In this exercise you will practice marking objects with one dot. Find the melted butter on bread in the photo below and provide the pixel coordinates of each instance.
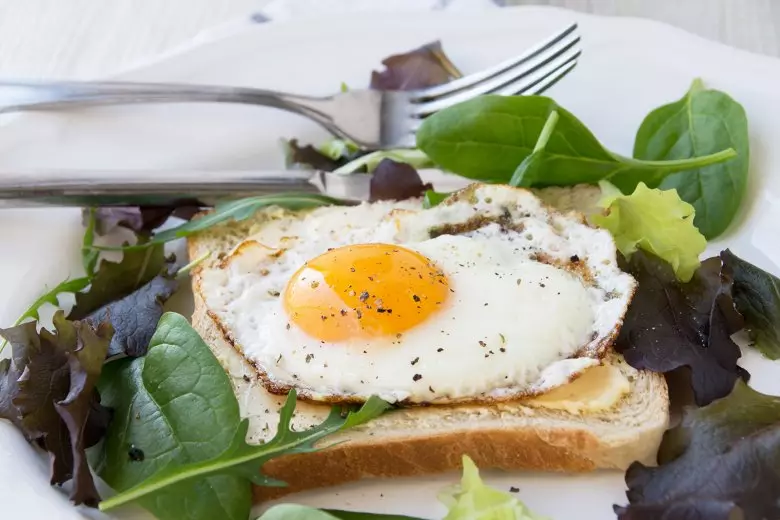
(599, 388)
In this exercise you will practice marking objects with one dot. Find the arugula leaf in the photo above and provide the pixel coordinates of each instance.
(670, 324)
(425, 66)
(237, 210)
(89, 255)
(656, 221)
(473, 499)
(298, 512)
(702, 122)
(433, 198)
(48, 390)
(140, 381)
(757, 297)
(488, 137)
(396, 181)
(721, 462)
(369, 162)
(173, 407)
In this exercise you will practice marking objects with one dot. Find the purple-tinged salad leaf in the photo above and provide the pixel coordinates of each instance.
(423, 67)
(130, 295)
(757, 297)
(396, 181)
(135, 316)
(721, 463)
(671, 324)
(48, 390)
(140, 219)
(115, 280)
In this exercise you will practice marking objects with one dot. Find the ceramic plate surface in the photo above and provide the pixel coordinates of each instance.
(628, 68)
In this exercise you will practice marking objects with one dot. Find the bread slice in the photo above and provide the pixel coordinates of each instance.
(420, 440)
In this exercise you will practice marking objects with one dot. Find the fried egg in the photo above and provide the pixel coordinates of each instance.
(489, 296)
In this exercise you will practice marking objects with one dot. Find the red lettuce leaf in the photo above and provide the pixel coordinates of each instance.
(425, 66)
(308, 156)
(393, 180)
(670, 325)
(115, 280)
(135, 316)
(130, 295)
(722, 462)
(48, 389)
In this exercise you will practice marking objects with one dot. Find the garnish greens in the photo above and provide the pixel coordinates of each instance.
(396, 181)
(89, 255)
(433, 198)
(488, 137)
(703, 122)
(472, 499)
(722, 462)
(180, 365)
(757, 298)
(237, 210)
(656, 221)
(426, 66)
(47, 390)
(51, 297)
(698, 146)
(670, 324)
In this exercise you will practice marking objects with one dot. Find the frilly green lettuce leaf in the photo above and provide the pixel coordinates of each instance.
(474, 500)
(654, 220)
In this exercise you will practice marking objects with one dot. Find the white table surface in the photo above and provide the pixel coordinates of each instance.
(89, 38)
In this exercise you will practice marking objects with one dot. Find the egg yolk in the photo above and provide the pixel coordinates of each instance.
(364, 291)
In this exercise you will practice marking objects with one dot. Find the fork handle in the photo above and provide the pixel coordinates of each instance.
(165, 188)
(64, 95)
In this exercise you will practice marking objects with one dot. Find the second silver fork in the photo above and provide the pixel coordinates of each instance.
(373, 119)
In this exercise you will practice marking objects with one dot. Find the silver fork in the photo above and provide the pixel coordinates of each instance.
(371, 118)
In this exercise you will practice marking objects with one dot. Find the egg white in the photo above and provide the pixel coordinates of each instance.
(521, 319)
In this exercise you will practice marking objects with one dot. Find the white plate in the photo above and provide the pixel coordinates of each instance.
(628, 68)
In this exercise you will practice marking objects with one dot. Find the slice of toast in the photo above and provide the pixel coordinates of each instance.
(420, 440)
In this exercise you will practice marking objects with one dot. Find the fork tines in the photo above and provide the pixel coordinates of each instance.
(530, 73)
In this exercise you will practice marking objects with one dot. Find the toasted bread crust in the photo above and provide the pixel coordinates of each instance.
(508, 449)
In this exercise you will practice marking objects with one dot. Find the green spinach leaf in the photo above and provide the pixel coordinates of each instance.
(756, 295)
(532, 167)
(244, 460)
(488, 137)
(173, 407)
(177, 408)
(703, 122)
